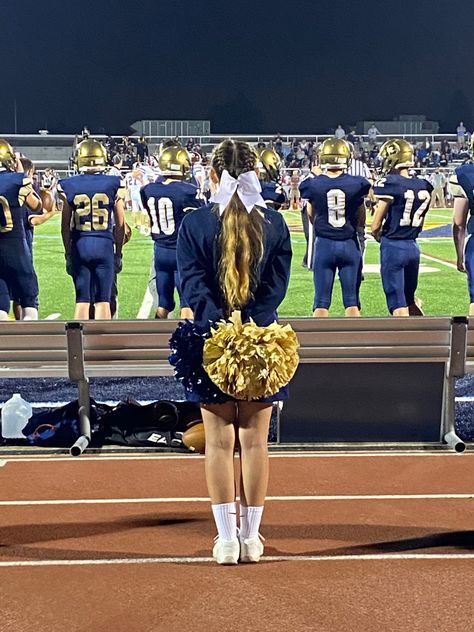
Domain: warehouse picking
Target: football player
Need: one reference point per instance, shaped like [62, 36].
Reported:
[403, 202]
[167, 200]
[335, 207]
[461, 187]
[30, 221]
[134, 181]
[269, 163]
[92, 222]
[17, 276]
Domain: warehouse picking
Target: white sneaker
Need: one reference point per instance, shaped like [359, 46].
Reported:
[226, 551]
[251, 549]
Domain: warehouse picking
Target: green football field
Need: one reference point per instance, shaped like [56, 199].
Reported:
[442, 288]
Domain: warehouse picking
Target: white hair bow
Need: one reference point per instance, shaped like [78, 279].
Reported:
[247, 186]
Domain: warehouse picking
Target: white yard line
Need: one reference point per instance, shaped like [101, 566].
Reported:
[436, 260]
[145, 307]
[204, 499]
[370, 557]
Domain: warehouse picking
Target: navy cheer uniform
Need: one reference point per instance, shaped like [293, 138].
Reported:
[166, 203]
[92, 198]
[273, 195]
[335, 203]
[17, 276]
[198, 258]
[409, 200]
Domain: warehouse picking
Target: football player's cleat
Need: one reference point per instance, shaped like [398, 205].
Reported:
[90, 155]
[334, 153]
[270, 161]
[396, 154]
[174, 160]
[7, 156]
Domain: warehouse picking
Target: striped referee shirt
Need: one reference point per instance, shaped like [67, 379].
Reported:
[359, 168]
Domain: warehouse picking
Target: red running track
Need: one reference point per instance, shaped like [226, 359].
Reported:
[390, 546]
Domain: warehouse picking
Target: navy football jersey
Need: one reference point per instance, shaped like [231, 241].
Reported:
[409, 200]
[465, 178]
[92, 198]
[335, 203]
[14, 189]
[273, 194]
[166, 203]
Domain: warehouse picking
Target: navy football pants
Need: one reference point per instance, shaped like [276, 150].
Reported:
[93, 266]
[331, 255]
[469, 264]
[167, 279]
[399, 266]
[17, 275]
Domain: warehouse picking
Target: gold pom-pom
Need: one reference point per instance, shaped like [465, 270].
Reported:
[247, 361]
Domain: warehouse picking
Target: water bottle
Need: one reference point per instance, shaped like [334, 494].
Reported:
[15, 414]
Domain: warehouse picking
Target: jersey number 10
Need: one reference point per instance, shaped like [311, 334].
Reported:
[162, 219]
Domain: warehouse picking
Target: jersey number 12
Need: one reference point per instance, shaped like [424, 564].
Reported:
[417, 219]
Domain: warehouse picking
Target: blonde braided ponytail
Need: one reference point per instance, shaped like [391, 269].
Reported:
[241, 237]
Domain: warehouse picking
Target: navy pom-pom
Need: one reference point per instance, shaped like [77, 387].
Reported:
[186, 344]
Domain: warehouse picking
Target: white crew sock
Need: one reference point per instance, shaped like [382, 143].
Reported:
[244, 525]
[29, 313]
[254, 518]
[225, 516]
[3, 315]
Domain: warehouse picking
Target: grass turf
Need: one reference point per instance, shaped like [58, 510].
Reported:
[443, 290]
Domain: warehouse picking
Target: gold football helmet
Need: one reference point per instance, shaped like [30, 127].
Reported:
[334, 153]
[7, 156]
[270, 162]
[174, 160]
[396, 153]
[90, 155]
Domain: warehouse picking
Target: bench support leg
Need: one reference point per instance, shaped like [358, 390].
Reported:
[84, 420]
[77, 374]
[448, 433]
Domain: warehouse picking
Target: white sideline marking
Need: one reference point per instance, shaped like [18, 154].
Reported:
[374, 268]
[204, 499]
[436, 260]
[145, 307]
[143, 402]
[370, 557]
[53, 458]
[54, 316]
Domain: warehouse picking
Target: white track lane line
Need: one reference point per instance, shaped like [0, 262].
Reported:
[340, 454]
[371, 557]
[205, 499]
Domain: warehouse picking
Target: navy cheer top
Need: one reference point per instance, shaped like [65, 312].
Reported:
[198, 258]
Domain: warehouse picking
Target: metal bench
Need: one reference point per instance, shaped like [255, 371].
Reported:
[341, 361]
[408, 364]
[80, 350]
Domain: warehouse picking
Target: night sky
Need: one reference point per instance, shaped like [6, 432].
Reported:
[248, 66]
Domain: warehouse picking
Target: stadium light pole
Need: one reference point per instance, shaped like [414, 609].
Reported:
[15, 118]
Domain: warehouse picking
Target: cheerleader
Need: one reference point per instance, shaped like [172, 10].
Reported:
[233, 254]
